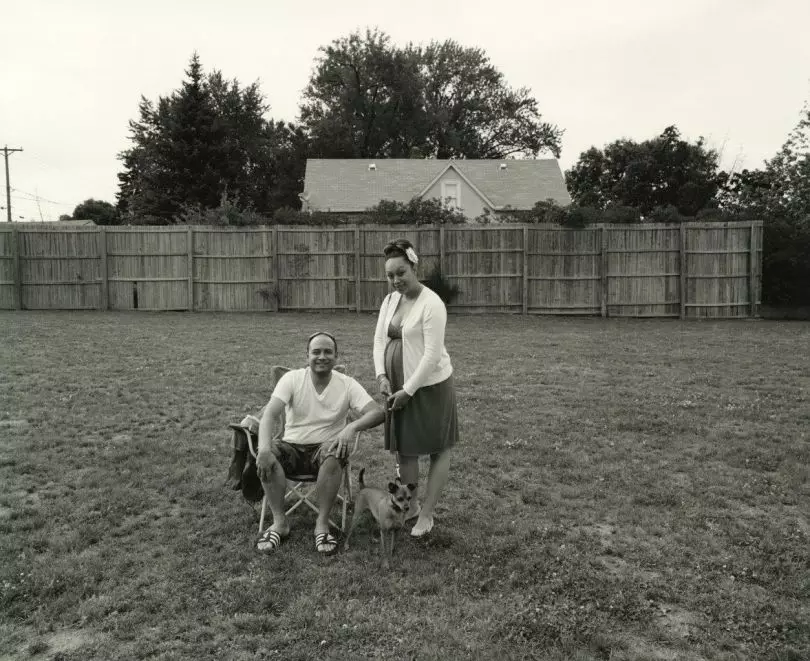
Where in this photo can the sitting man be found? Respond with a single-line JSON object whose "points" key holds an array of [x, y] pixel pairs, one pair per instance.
{"points": [[316, 401]]}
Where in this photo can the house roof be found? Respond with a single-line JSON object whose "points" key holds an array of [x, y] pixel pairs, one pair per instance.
{"points": [[56, 223], [348, 185]]}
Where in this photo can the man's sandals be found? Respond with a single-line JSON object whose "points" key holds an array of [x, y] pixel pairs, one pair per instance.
{"points": [[325, 543], [269, 541]]}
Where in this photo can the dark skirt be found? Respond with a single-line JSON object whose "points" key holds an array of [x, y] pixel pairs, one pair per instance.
{"points": [[428, 424]]}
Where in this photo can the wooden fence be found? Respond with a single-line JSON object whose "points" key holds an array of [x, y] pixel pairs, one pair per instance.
{"points": [[696, 270]]}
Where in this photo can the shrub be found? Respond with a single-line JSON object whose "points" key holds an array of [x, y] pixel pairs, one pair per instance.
{"points": [[446, 290], [228, 213], [414, 212], [577, 217], [618, 214], [715, 215], [786, 263], [668, 214], [290, 216]]}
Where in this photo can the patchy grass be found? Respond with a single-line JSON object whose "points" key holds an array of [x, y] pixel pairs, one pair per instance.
{"points": [[624, 490]]}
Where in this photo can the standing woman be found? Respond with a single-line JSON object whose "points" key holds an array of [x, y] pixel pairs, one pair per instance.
{"points": [[414, 373]]}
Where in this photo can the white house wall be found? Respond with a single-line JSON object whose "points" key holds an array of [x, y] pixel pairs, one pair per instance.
{"points": [[471, 203]]}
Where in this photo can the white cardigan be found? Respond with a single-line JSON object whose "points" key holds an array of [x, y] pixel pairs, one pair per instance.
{"points": [[425, 361]]}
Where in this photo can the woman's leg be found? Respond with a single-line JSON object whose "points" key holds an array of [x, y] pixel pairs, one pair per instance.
{"points": [[437, 479], [408, 469]]}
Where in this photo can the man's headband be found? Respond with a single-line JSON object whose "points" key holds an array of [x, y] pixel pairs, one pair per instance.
{"points": [[316, 334]]}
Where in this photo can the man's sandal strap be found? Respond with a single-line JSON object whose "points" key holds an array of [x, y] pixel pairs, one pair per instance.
{"points": [[325, 543], [269, 541]]}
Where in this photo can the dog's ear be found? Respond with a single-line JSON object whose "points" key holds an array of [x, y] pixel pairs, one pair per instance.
{"points": [[411, 487], [392, 487]]}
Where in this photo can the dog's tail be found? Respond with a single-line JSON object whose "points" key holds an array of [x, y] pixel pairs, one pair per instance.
{"points": [[360, 478]]}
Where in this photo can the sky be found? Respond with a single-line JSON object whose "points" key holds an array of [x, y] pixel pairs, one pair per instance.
{"points": [[72, 73]]}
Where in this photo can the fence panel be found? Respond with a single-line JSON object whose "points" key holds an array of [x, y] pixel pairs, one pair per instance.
{"points": [[148, 268], [59, 269], [233, 270], [8, 271], [718, 271], [316, 268], [487, 265], [643, 271], [564, 271]]}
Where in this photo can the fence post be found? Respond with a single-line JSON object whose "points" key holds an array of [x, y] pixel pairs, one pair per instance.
{"points": [[15, 267], [102, 250], [603, 270], [274, 256], [190, 241], [357, 253], [752, 289], [441, 250], [683, 271], [525, 269]]}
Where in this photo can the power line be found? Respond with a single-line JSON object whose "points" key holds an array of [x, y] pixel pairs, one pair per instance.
{"points": [[6, 152], [25, 195], [34, 195]]}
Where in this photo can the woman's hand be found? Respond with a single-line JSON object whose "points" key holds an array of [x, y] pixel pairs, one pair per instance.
{"points": [[384, 385], [398, 400]]}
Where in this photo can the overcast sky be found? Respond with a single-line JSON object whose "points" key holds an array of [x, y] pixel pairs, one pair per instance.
{"points": [[72, 72]]}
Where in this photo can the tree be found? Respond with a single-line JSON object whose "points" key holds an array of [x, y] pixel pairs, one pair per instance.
{"points": [[206, 142], [782, 188], [362, 99], [99, 211], [288, 149], [779, 194], [659, 173], [470, 111], [789, 171], [368, 98]]}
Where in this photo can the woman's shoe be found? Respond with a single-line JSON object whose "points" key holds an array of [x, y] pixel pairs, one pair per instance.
{"points": [[422, 527]]}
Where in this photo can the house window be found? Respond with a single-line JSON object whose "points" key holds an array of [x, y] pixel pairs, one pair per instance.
{"points": [[451, 194]]}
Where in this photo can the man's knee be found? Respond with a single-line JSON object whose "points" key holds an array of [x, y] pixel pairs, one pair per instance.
{"points": [[273, 467], [331, 466]]}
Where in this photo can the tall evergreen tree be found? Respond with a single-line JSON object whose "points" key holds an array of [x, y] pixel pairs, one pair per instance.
{"points": [[207, 141]]}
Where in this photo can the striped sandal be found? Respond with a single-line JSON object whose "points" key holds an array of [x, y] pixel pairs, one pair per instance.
{"points": [[325, 543], [269, 541]]}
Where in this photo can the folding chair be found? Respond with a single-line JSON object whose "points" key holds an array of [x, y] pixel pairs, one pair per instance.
{"points": [[301, 488]]}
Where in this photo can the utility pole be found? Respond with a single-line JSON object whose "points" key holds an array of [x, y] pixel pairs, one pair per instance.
{"points": [[6, 152]]}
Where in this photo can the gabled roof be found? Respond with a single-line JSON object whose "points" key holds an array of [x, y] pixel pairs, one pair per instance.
{"points": [[452, 166], [348, 185]]}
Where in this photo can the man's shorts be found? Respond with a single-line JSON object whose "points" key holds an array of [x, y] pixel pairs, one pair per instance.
{"points": [[298, 459]]}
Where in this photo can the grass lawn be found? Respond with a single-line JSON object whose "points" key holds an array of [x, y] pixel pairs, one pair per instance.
{"points": [[624, 489]]}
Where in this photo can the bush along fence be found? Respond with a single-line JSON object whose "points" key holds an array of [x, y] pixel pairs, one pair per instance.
{"points": [[693, 270]]}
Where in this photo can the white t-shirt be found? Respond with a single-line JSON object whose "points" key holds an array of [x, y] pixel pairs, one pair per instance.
{"points": [[312, 418]]}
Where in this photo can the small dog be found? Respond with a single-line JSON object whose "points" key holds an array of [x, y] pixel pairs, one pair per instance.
{"points": [[389, 508]]}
